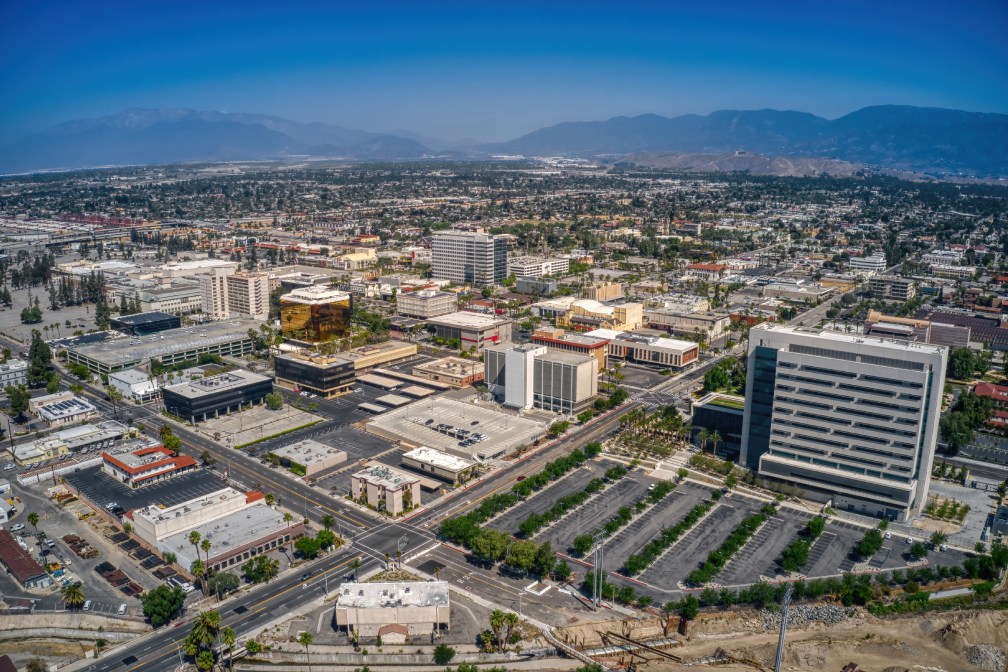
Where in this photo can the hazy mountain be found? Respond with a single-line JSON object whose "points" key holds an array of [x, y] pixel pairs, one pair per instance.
{"points": [[899, 137], [756, 164], [144, 136]]}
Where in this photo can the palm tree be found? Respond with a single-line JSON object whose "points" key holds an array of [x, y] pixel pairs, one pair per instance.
{"points": [[194, 539], [115, 397], [198, 569], [704, 436], [715, 438], [165, 431], [287, 518], [229, 638], [73, 595], [327, 522], [206, 627], [355, 565], [205, 545], [305, 640], [270, 498], [33, 521]]}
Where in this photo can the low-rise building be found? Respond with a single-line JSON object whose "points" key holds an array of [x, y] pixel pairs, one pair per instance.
{"points": [[811, 293], [213, 396], [539, 286], [892, 287], [703, 271], [13, 372], [426, 303], [872, 264], [912, 329], [307, 458], [21, 565], [62, 408], [368, 357], [155, 522], [325, 375], [386, 489], [146, 466], [135, 385], [393, 610], [455, 371], [590, 314], [711, 325], [536, 267], [579, 344], [80, 439], [451, 468], [721, 413], [603, 291], [664, 352], [141, 324], [953, 272], [471, 329]]}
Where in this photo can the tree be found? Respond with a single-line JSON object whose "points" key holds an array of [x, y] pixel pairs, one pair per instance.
{"points": [[223, 583], [229, 638], [198, 569], [253, 647], [39, 360], [308, 547], [502, 623], [205, 629], [328, 522], [36, 665], [102, 314], [355, 565], [33, 519], [305, 640], [170, 557], [918, 550], [559, 427], [261, 569], [274, 401], [52, 387], [162, 604], [73, 595], [689, 607], [561, 571], [443, 654], [938, 538]]}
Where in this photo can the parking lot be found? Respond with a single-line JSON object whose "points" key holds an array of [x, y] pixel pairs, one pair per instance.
{"points": [[758, 558], [341, 410], [100, 489], [638, 377], [980, 503], [504, 431], [594, 514]]}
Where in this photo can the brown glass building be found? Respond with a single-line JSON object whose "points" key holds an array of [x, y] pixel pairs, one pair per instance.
{"points": [[315, 314]]}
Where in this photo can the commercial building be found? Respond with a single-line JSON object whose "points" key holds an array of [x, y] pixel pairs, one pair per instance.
{"points": [[580, 344], [529, 375], [910, 329], [469, 258], [393, 611], [141, 324], [539, 286], [80, 439], [704, 271], [852, 418], [181, 297], [146, 466], [325, 375], [307, 458], [213, 396], [590, 314], [953, 272], [721, 413], [176, 346], [471, 329], [536, 267], [13, 372], [22, 566], [603, 291], [248, 295], [892, 287], [810, 293], [386, 489], [454, 371], [425, 303], [315, 314], [367, 357], [664, 352], [711, 325], [950, 257], [62, 408], [873, 264], [135, 385], [456, 470], [158, 521]]}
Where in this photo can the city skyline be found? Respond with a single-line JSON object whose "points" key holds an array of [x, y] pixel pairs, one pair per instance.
{"points": [[494, 72]]}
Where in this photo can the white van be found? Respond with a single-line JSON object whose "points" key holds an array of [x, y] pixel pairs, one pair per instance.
{"points": [[87, 605], [122, 609]]}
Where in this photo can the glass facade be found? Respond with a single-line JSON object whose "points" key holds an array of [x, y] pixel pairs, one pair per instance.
{"points": [[315, 322], [328, 379], [760, 393]]}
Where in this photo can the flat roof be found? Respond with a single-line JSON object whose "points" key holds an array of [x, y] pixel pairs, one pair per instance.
{"points": [[388, 348], [227, 533], [386, 476], [463, 318], [307, 452], [378, 381], [456, 365], [159, 512], [394, 400], [131, 376], [65, 409], [193, 389], [438, 459], [13, 365], [393, 594], [416, 391], [125, 350], [840, 337], [562, 357], [581, 340], [313, 294], [144, 318]]}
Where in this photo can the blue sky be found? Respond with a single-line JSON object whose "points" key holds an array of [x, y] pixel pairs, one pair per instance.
{"points": [[494, 70]]}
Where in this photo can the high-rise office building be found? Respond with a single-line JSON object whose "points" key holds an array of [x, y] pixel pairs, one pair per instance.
{"points": [[248, 295], [314, 314], [471, 258], [848, 417]]}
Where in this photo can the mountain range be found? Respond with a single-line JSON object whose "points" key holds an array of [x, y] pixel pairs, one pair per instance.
{"points": [[915, 139]]}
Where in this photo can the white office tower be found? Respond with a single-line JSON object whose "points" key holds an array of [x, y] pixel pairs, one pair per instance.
{"points": [[466, 257], [520, 368], [848, 417]]}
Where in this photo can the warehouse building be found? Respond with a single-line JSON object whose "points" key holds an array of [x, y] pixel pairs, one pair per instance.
{"points": [[20, 564], [203, 398], [471, 329], [393, 611], [146, 466], [176, 346], [141, 324], [325, 375], [307, 458], [386, 489]]}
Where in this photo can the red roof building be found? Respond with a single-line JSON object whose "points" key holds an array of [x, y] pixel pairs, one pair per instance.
{"points": [[146, 466], [706, 271], [998, 393], [20, 563]]}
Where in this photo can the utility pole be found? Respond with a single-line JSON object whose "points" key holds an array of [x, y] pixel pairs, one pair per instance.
{"points": [[783, 626], [598, 572]]}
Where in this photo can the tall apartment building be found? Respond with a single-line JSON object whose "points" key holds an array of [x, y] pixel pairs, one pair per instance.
{"points": [[465, 257], [214, 287], [851, 418], [248, 295]]}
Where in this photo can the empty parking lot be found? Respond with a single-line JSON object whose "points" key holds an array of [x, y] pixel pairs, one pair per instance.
{"points": [[99, 488]]}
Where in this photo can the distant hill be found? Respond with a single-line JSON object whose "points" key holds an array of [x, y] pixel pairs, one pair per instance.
{"points": [[927, 140], [756, 164], [143, 136]]}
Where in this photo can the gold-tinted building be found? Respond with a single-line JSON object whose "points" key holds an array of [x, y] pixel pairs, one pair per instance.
{"points": [[315, 314]]}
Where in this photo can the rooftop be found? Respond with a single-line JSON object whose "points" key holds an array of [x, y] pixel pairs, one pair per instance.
{"points": [[144, 318], [315, 294], [13, 365], [227, 533], [850, 339], [18, 560], [212, 384], [129, 350], [307, 452], [159, 512], [451, 365], [386, 477], [438, 459], [465, 319], [405, 594], [131, 377], [549, 336], [66, 409], [561, 357]]}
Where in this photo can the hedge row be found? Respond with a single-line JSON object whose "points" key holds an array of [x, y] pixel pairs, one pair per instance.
{"points": [[555, 469], [583, 542], [795, 555], [537, 521], [718, 558], [638, 562], [463, 529]]}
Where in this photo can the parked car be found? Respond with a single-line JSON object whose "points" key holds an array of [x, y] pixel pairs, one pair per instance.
{"points": [[17, 527], [122, 609]]}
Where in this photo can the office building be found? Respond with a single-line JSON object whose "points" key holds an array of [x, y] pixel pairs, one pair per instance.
{"points": [[892, 287], [530, 375], [953, 272], [580, 344], [213, 396], [62, 408], [425, 303], [393, 611], [471, 329], [667, 353], [711, 325], [248, 295], [386, 489], [214, 290], [135, 385], [456, 470], [181, 297], [325, 375], [853, 419], [315, 314], [537, 286], [704, 271], [146, 466], [721, 413], [13, 372], [454, 371], [141, 324], [307, 458], [911, 329], [469, 258], [873, 264], [367, 357], [536, 267]]}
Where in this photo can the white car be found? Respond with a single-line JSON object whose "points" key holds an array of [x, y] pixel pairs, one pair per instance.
{"points": [[17, 527], [888, 535], [9, 466], [909, 540]]}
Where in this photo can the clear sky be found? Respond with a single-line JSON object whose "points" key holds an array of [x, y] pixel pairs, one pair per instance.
{"points": [[494, 70]]}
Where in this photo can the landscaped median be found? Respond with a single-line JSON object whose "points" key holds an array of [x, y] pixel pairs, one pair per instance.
{"points": [[718, 558], [584, 542], [794, 557], [277, 435], [638, 562], [536, 521]]}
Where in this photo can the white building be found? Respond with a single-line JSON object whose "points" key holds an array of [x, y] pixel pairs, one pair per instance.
{"points": [[135, 385], [530, 375], [855, 419], [62, 408], [426, 303], [664, 352], [469, 258], [13, 372], [450, 468], [214, 291], [943, 257], [873, 264], [393, 610], [536, 267], [248, 295]]}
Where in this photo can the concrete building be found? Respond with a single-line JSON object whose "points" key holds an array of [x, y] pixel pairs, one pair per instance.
{"points": [[943, 257], [425, 303], [536, 267], [580, 344], [325, 375], [158, 521], [141, 324], [529, 375], [181, 297], [590, 314], [953, 272], [852, 418], [315, 314], [603, 291], [892, 287], [213, 396], [146, 466], [455, 371], [307, 458], [135, 385], [538, 286], [393, 610], [469, 258], [69, 440], [214, 292], [22, 566], [798, 292], [13, 372], [712, 325], [248, 295], [873, 264], [386, 489], [62, 408], [175, 346], [471, 329], [451, 468], [702, 271], [664, 352], [367, 357], [721, 413]]}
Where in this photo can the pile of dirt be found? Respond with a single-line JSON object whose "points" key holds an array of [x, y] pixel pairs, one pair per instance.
{"points": [[986, 657]]}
